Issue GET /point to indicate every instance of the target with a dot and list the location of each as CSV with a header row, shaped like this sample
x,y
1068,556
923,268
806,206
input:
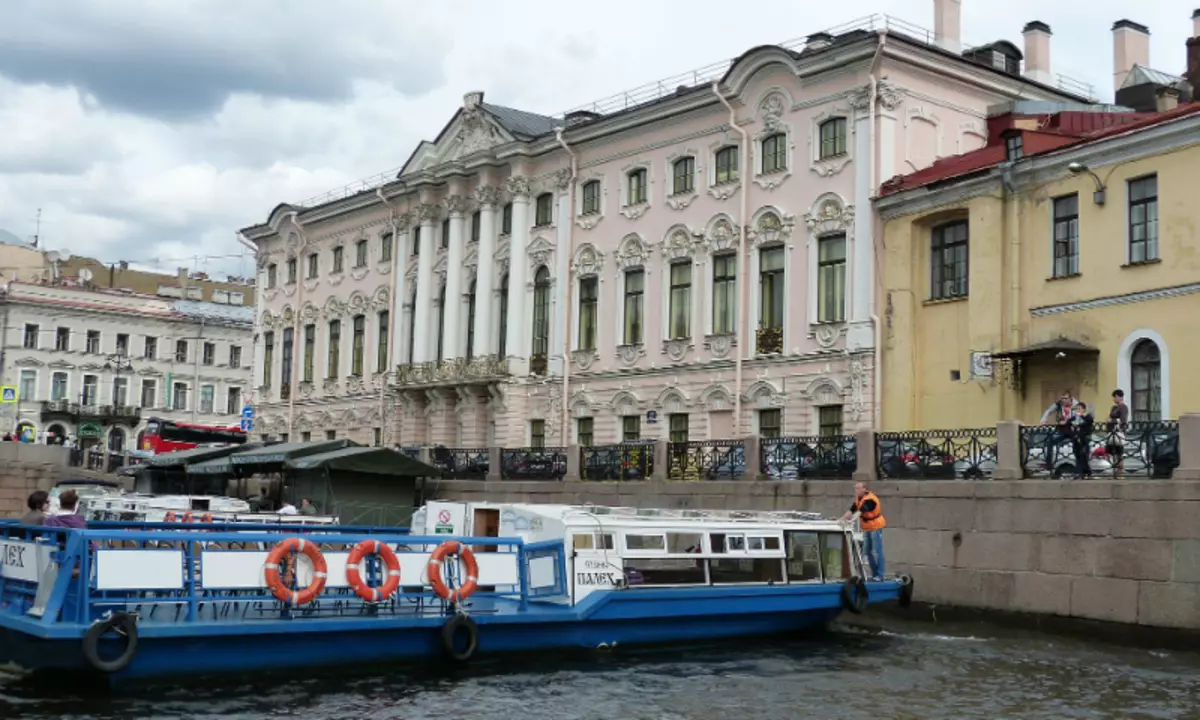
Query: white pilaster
x,y
424,319
859,334
454,341
562,279
518,323
485,326
400,292
260,305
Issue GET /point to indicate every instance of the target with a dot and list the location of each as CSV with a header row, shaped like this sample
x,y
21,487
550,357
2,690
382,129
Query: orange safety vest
x,y
871,520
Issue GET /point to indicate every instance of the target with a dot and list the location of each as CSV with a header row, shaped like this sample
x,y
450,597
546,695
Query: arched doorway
x,y
56,434
1145,364
116,440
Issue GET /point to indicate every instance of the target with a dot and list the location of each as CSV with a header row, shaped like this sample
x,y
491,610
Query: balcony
x,y
80,412
461,371
769,341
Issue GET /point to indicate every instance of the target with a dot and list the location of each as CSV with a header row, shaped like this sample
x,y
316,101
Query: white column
x,y
400,292
518,269
423,318
562,278
859,334
260,305
485,327
454,343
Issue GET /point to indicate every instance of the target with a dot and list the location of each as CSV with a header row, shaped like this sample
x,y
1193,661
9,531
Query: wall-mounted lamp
x,y
1076,168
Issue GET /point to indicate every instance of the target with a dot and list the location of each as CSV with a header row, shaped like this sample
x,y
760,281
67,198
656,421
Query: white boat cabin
x,y
612,547
143,507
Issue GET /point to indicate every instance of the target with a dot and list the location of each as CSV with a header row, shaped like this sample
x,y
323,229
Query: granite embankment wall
x,y
25,467
1120,551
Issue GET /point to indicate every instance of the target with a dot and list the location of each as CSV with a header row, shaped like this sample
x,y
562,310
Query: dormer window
x,y
1014,147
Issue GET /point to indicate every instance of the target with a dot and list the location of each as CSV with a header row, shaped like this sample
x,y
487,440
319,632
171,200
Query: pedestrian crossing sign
x,y
8,394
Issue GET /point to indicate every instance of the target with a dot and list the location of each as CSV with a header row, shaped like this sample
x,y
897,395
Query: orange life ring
x,y
188,517
206,518
276,584
453,547
354,575
170,516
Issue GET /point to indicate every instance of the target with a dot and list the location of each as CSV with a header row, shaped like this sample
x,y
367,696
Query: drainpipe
x,y
570,250
294,216
877,382
743,318
196,373
385,428
249,245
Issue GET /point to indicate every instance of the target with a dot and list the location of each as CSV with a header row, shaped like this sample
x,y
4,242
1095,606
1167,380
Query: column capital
x,y
488,196
456,206
402,221
518,187
561,179
429,213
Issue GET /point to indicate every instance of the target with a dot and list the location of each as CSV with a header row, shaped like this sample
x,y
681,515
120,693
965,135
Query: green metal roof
x,y
282,452
373,460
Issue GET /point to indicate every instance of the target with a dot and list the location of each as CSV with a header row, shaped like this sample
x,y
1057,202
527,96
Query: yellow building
x,y
1065,255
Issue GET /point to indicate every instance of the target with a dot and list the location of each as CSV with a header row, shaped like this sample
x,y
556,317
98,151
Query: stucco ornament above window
x,y
831,217
632,252
773,108
722,235
771,228
588,260
679,244
475,131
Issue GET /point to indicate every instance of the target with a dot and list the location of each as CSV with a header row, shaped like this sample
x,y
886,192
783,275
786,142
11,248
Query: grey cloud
x,y
165,61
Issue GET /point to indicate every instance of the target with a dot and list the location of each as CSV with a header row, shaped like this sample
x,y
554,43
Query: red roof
x,y
1055,132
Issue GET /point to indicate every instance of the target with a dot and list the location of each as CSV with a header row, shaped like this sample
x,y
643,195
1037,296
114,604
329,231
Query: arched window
x,y
541,320
471,321
441,321
1146,377
503,339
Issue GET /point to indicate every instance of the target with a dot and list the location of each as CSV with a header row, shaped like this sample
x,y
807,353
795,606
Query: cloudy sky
x,y
150,130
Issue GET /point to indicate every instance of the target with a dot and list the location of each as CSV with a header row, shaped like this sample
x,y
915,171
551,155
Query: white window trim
x,y
200,405
674,199
772,180
713,250
665,300
833,165
190,398
576,316
587,222
756,248
1125,367
533,204
632,254
36,383
727,190
241,399
112,389
829,215
635,211
154,384
67,395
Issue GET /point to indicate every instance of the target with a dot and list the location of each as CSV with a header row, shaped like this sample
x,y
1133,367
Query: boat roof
x,y
607,516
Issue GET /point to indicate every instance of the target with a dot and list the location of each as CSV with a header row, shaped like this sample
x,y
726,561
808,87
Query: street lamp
x,y
118,363
1078,168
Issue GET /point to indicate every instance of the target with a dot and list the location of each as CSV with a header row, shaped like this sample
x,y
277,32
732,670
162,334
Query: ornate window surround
x,y
587,263
633,253
635,211
679,244
720,236
587,222
829,215
833,165
724,191
776,102
761,240
676,200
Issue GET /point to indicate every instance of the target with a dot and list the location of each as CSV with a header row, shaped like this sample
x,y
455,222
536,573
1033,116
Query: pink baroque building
x,y
694,264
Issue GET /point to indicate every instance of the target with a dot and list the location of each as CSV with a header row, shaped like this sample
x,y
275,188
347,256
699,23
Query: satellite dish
x,y
85,275
53,256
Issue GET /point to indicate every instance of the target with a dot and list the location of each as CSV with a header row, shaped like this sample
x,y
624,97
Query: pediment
x,y
470,131
29,362
63,364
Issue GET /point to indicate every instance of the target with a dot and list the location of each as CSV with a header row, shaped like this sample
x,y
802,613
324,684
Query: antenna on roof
x,y
37,232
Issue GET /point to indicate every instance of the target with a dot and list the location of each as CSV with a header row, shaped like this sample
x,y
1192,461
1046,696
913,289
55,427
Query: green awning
x,y
216,466
195,455
369,460
283,452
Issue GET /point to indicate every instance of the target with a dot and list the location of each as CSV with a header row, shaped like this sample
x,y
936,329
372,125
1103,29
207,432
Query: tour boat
x,y
147,507
132,601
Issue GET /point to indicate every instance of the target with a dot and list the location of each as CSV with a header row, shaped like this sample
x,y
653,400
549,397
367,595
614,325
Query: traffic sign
x,y
8,394
247,424
247,412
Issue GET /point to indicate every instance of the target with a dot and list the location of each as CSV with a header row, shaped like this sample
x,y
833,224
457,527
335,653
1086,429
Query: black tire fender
x,y
455,625
854,595
125,624
906,591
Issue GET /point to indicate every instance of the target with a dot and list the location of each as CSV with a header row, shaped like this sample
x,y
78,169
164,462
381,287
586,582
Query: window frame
x,y
333,354
362,253
726,171
773,152
339,260
637,191
724,284
1064,236
1149,205
589,308
635,301
589,201
831,302
358,345
308,371
679,293
832,144
772,282
543,210
387,243
688,175
831,418
939,246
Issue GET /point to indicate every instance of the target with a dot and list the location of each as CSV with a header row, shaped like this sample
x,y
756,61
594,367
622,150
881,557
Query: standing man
x,y
868,508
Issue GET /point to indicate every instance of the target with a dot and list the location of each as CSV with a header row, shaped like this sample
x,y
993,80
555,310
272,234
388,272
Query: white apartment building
x,y
96,365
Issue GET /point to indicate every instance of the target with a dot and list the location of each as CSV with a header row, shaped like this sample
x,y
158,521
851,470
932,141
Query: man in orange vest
x,y
870,511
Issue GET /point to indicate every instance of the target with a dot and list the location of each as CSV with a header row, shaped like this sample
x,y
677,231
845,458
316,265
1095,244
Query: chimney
x,y
1193,57
1166,98
1037,52
1196,23
947,25
1131,46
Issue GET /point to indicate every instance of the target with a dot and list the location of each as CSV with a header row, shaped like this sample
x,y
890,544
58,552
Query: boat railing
x,y
168,574
656,514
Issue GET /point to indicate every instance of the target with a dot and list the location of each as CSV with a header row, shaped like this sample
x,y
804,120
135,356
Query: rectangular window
x,y
588,309
476,225
831,279
181,351
310,349
268,357
637,187
726,166
314,266
285,374
150,348
471,321
502,339
680,306
774,153
339,259
770,277
291,271
272,273
233,401
359,328
28,387
416,241
583,432
506,220
120,391
90,390
179,397
235,356
362,253
58,386
446,233
949,259
678,424
335,345
683,176
1066,236
1143,219
724,293
62,339
123,344
770,422
210,353
833,138
381,352
544,210
634,305
1014,147
591,198
631,428
829,420
331,434
385,247
207,393
642,542
537,434
149,393
93,341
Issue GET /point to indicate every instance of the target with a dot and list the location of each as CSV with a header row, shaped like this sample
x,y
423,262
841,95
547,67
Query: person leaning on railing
x,y
39,505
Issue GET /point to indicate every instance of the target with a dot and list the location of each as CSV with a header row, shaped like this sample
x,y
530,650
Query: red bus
x,y
164,436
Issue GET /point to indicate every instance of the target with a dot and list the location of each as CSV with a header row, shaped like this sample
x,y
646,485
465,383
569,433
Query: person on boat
x,y
66,517
307,508
870,511
288,509
39,505
261,503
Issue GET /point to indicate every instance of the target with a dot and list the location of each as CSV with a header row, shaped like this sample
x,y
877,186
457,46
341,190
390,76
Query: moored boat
x,y
147,600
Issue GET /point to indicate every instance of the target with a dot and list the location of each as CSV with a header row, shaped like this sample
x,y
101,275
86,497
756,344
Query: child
x,y
1081,424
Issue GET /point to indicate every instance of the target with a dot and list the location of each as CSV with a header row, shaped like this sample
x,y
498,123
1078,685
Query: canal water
x,y
911,671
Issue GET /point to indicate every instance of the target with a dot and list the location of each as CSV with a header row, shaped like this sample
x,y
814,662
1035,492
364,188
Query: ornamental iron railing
x,y
545,463
460,463
706,460
623,461
788,458
1140,449
936,454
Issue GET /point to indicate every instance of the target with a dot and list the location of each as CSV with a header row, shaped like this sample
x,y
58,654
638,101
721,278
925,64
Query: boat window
x,y
588,541
735,543
833,557
746,570
760,544
803,556
678,542
645,542
665,571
